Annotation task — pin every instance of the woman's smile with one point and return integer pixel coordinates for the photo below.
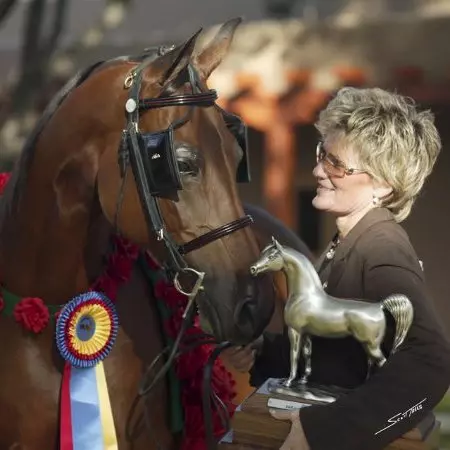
(321, 188)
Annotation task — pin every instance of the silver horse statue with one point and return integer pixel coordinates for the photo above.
(309, 310)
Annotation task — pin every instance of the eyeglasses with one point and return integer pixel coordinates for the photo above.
(331, 165)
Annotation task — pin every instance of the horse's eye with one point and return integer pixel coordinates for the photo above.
(187, 160)
(187, 167)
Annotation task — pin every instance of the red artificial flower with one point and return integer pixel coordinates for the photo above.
(32, 314)
(2, 303)
(172, 325)
(108, 286)
(190, 443)
(120, 267)
(151, 261)
(171, 296)
(194, 433)
(190, 367)
(126, 248)
(4, 178)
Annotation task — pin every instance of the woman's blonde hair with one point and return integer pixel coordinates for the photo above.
(394, 141)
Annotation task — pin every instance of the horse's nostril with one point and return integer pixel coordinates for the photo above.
(253, 270)
(253, 307)
(244, 314)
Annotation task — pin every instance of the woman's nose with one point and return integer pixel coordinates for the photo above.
(318, 171)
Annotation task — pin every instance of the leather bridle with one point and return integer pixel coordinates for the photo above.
(132, 152)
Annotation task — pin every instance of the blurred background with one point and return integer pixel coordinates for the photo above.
(287, 59)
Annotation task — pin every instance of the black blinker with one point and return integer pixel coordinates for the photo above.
(160, 163)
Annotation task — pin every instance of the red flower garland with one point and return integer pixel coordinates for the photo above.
(189, 370)
(33, 315)
(4, 178)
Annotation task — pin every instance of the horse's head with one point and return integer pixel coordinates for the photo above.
(164, 158)
(271, 259)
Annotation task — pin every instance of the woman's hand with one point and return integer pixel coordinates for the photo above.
(240, 358)
(296, 439)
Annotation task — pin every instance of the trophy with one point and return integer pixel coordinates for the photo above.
(310, 311)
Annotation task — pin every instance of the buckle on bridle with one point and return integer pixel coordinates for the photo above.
(129, 79)
(198, 286)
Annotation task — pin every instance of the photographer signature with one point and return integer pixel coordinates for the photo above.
(400, 416)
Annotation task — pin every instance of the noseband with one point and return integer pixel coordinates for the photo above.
(154, 164)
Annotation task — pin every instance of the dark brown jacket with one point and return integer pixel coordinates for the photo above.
(376, 259)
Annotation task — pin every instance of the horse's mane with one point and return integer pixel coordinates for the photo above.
(19, 174)
(308, 266)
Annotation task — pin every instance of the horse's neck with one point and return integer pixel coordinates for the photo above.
(45, 255)
(301, 279)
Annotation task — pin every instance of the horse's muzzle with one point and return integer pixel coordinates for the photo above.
(237, 311)
(254, 309)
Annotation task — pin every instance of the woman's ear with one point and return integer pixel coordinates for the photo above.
(381, 189)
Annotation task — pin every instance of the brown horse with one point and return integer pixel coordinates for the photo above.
(68, 195)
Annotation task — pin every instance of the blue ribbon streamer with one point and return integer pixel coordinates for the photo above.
(86, 421)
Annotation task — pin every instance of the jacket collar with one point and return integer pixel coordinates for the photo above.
(374, 216)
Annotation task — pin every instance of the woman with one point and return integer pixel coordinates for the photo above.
(376, 152)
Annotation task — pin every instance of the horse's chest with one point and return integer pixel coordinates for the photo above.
(297, 310)
(29, 389)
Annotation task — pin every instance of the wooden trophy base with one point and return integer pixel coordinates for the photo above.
(254, 428)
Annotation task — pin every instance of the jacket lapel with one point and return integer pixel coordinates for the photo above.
(336, 271)
(338, 267)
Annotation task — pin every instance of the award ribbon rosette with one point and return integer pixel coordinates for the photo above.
(86, 330)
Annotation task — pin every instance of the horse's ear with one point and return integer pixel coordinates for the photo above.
(74, 184)
(214, 52)
(169, 66)
(277, 244)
